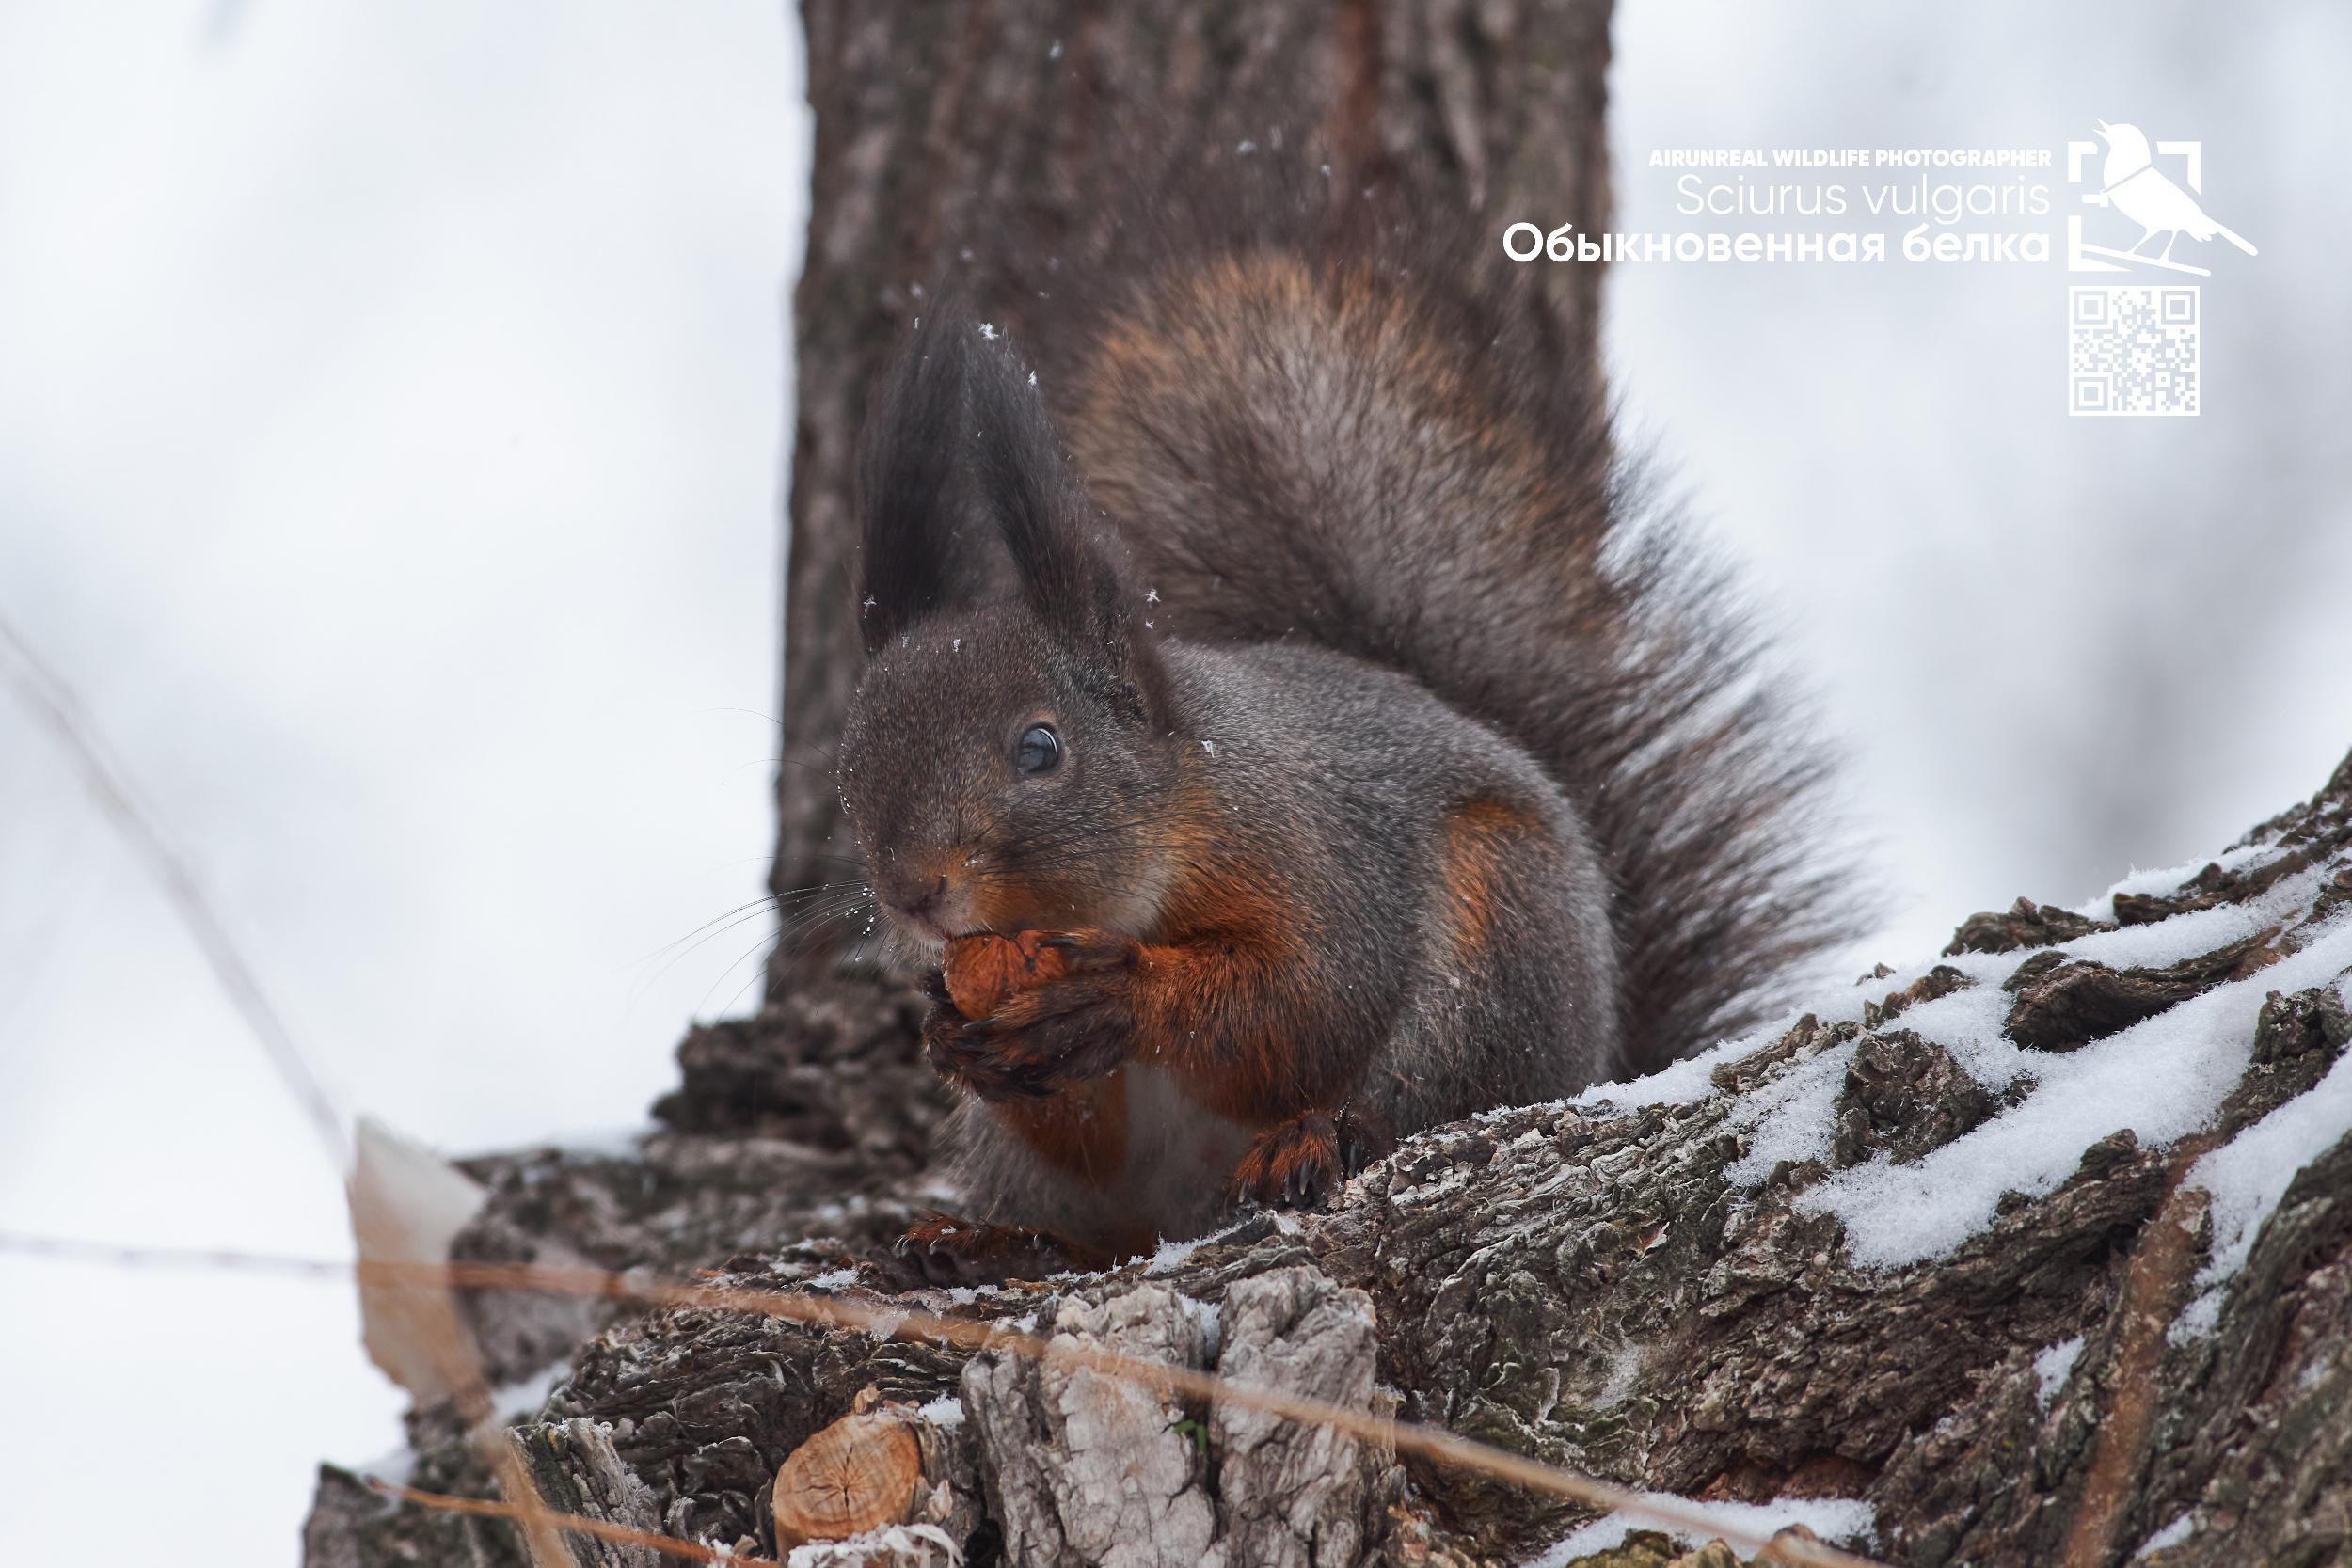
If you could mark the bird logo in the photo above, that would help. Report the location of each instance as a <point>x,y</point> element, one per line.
<point>2131,184</point>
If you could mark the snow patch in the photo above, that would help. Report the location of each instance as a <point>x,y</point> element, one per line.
<point>944,1411</point>
<point>1212,1322</point>
<point>1831,1518</point>
<point>2249,1176</point>
<point>2052,1366</point>
<point>2173,879</point>
<point>2198,1319</point>
<point>1971,1024</point>
<point>2172,1535</point>
<point>1791,1118</point>
<point>891,1544</point>
<point>2191,935</point>
<point>1625,1369</point>
<point>1676,1083</point>
<point>2162,1078</point>
<point>1170,1255</point>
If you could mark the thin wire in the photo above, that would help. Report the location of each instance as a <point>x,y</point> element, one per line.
<point>891,1322</point>
<point>579,1523</point>
<point>53,703</point>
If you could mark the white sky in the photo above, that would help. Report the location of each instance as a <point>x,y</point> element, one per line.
<point>2055,646</point>
<point>391,402</point>
<point>390,412</point>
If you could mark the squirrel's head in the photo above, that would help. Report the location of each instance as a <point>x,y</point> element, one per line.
<point>1007,759</point>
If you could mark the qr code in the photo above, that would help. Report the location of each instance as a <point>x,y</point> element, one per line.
<point>2131,349</point>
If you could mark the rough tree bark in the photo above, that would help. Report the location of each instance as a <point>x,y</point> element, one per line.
<point>953,141</point>
<point>1673,1284</point>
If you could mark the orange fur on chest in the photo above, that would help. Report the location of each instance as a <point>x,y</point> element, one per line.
<point>1081,1133</point>
<point>1215,1002</point>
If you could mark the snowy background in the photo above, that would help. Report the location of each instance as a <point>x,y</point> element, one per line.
<point>391,404</point>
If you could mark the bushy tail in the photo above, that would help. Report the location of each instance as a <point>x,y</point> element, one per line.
<point>1334,420</point>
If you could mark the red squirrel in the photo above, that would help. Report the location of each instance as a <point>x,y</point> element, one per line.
<point>1304,691</point>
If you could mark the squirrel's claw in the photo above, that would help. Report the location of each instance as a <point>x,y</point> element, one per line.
<point>941,1250</point>
<point>1092,952</point>
<point>1075,1028</point>
<point>1301,1163</point>
<point>969,1056</point>
<point>1293,1166</point>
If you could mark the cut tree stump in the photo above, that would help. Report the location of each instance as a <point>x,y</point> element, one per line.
<point>861,1473</point>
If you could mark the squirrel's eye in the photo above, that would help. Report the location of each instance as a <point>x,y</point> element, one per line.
<point>1040,750</point>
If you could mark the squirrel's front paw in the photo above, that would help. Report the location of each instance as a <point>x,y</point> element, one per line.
<point>1301,1163</point>
<point>1071,1029</point>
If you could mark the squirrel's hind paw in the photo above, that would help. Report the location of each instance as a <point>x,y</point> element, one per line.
<point>1294,1165</point>
<point>946,1251</point>
<point>1301,1162</point>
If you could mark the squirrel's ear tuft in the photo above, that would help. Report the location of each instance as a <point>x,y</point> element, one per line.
<point>909,498</point>
<point>1067,577</point>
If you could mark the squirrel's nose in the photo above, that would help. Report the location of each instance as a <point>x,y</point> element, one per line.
<point>924,899</point>
<point>920,900</point>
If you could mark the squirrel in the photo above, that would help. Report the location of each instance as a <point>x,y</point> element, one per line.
<point>1308,681</point>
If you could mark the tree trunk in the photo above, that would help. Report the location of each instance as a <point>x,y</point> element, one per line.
<point>953,141</point>
<point>2040,1254</point>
